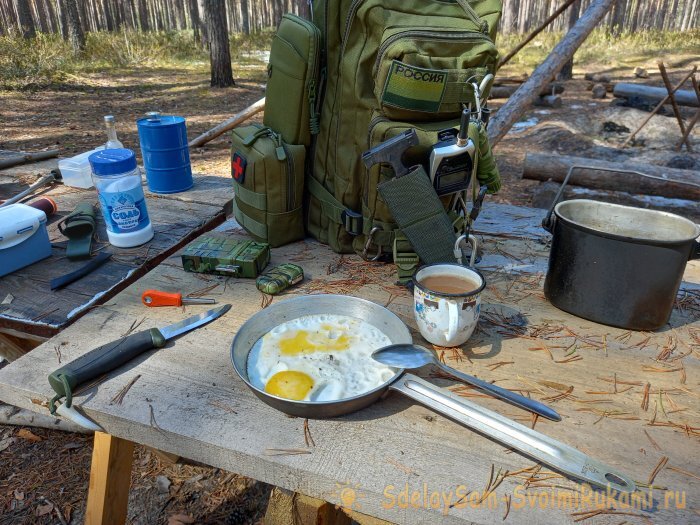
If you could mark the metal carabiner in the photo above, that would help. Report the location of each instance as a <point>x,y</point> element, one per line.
<point>464,241</point>
<point>368,245</point>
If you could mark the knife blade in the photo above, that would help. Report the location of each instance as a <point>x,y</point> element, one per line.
<point>112,355</point>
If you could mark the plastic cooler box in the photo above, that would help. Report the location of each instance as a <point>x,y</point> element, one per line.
<point>23,237</point>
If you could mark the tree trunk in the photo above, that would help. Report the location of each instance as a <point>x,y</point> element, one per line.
<point>75,30</point>
<point>511,111</point>
<point>194,17</point>
<point>203,27</point>
<point>143,15</point>
<point>62,19</point>
<point>567,72</point>
<point>109,20</point>
<point>219,52</point>
<point>24,17</point>
<point>245,17</point>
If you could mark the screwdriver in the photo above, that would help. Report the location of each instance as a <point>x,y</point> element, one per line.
<point>158,298</point>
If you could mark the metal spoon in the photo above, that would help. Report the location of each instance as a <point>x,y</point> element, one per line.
<point>414,356</point>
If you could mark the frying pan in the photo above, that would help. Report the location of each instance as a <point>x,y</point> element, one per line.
<point>558,455</point>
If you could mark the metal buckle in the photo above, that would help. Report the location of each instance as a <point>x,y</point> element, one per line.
<point>348,216</point>
<point>368,245</point>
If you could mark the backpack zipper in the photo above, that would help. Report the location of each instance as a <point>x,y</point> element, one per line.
<point>436,35</point>
<point>464,4</point>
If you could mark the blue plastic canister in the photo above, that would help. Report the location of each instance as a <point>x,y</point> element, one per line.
<point>166,155</point>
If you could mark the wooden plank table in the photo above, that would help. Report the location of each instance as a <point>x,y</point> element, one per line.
<point>629,399</point>
<point>33,312</point>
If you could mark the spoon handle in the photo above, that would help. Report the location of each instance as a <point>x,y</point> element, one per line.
<point>501,393</point>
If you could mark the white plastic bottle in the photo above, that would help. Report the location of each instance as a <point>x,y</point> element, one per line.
<point>118,183</point>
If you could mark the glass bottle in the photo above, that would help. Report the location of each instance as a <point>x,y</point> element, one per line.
<point>112,140</point>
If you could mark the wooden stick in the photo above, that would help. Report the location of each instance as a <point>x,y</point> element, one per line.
<point>694,121</point>
<point>25,158</point>
<point>521,100</point>
<point>672,98</point>
<point>228,124</point>
<point>534,33</point>
<point>657,108</point>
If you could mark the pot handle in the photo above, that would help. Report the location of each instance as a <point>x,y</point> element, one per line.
<point>695,250</point>
<point>549,451</point>
<point>549,220</point>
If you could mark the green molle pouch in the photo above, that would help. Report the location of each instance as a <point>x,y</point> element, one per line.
<point>220,255</point>
<point>291,93</point>
<point>268,183</point>
<point>280,278</point>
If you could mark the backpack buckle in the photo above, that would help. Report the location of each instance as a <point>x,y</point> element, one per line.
<point>352,222</point>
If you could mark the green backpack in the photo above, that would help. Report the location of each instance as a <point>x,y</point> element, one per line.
<point>387,66</point>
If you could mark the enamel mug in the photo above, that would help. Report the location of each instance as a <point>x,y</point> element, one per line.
<point>447,319</point>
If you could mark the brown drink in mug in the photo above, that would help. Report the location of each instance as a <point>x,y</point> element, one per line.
<point>447,300</point>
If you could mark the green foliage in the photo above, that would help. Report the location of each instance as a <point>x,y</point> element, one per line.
<point>603,48</point>
<point>25,63</point>
<point>143,49</point>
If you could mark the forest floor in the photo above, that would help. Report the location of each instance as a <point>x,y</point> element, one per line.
<point>43,472</point>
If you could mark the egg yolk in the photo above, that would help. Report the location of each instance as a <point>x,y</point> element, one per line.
<point>303,342</point>
<point>290,384</point>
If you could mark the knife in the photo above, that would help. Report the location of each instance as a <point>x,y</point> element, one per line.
<point>112,355</point>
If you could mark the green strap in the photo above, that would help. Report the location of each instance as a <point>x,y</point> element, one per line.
<point>256,228</point>
<point>79,227</point>
<point>334,210</point>
<point>251,198</point>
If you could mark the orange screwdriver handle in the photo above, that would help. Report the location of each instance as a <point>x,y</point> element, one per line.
<point>158,298</point>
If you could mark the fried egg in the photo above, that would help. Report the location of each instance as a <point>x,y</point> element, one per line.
<point>319,358</point>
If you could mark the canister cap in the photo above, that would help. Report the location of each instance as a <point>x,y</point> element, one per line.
<point>112,161</point>
<point>155,119</point>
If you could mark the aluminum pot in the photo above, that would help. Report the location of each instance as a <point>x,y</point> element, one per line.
<point>491,424</point>
<point>617,265</point>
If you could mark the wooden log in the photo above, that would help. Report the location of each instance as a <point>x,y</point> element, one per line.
<point>655,94</point>
<point>26,158</point>
<point>659,106</point>
<point>534,33</point>
<point>666,182</point>
<point>526,94</point>
<point>507,91</point>
<point>598,78</point>
<point>228,124</point>
<point>548,101</point>
<point>599,91</point>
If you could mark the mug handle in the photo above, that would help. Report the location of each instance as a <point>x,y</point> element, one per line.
<point>452,320</point>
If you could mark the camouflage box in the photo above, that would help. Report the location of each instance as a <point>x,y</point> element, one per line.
<point>220,255</point>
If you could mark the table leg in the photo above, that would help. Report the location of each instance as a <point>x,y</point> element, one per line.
<point>110,475</point>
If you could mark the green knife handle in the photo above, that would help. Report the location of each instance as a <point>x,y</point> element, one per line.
<point>104,359</point>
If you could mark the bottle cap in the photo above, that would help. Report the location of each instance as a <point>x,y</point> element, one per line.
<point>112,161</point>
<point>109,118</point>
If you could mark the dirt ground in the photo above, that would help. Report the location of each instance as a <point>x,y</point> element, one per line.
<point>42,472</point>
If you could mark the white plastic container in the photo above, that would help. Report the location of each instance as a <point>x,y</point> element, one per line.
<point>118,183</point>
<point>23,237</point>
<point>76,171</point>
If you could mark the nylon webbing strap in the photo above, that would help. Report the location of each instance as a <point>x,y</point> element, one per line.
<point>334,210</point>
<point>418,211</point>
